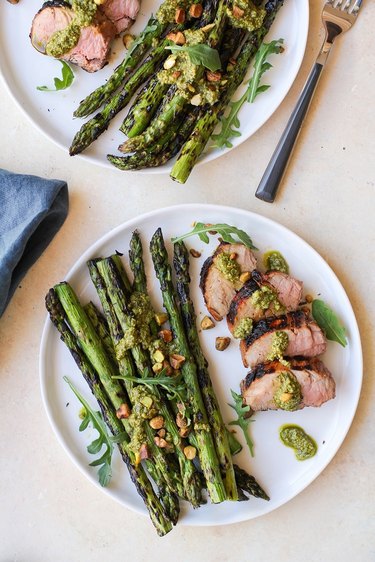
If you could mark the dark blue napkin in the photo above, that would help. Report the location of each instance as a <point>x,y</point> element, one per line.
<point>32,210</point>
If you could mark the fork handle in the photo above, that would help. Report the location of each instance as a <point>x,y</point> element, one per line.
<point>275,170</point>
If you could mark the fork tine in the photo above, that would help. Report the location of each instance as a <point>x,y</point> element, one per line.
<point>354,9</point>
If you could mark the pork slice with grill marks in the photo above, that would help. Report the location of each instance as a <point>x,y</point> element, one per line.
<point>288,291</point>
<point>305,338</point>
<point>93,47</point>
<point>316,382</point>
<point>218,291</point>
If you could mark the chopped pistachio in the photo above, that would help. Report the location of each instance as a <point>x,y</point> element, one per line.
<point>161,318</point>
<point>128,40</point>
<point>176,360</point>
<point>158,356</point>
<point>207,323</point>
<point>190,452</point>
<point>123,412</point>
<point>245,276</point>
<point>146,401</point>
<point>222,343</point>
<point>195,253</point>
<point>160,442</point>
<point>157,422</point>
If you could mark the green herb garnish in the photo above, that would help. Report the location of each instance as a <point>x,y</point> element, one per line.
<point>62,83</point>
<point>328,322</point>
<point>225,230</point>
<point>89,415</point>
<point>200,54</point>
<point>138,40</point>
<point>231,123</point>
<point>242,421</point>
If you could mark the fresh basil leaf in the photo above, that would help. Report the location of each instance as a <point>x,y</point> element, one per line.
<point>226,231</point>
<point>200,54</point>
<point>327,320</point>
<point>230,123</point>
<point>66,80</point>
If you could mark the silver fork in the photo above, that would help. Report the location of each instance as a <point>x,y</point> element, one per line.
<point>338,16</point>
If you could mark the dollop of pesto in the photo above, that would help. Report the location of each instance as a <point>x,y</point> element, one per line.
<point>144,408</point>
<point>244,14</point>
<point>188,77</point>
<point>167,11</point>
<point>275,261</point>
<point>243,329</point>
<point>265,298</point>
<point>138,331</point>
<point>288,395</point>
<point>230,269</point>
<point>279,344</point>
<point>295,437</point>
<point>64,40</point>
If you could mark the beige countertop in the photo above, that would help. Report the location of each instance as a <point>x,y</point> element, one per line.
<point>49,511</point>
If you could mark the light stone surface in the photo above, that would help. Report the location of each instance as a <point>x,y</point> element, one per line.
<point>49,511</point>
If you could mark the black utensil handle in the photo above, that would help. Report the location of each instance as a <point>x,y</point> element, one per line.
<point>275,170</point>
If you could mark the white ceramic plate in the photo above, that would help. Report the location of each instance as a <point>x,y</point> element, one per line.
<point>274,464</point>
<point>23,69</point>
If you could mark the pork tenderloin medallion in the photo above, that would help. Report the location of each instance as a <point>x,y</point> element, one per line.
<point>92,48</point>
<point>303,337</point>
<point>122,13</point>
<point>273,385</point>
<point>262,296</point>
<point>219,289</point>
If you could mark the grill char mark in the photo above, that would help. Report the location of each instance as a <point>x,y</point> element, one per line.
<point>291,320</point>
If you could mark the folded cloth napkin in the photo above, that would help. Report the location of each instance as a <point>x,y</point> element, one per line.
<point>32,210</point>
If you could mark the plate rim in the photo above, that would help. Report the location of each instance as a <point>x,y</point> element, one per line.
<point>205,207</point>
<point>304,6</point>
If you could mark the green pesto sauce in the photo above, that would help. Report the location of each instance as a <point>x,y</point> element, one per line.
<point>288,395</point>
<point>188,77</point>
<point>167,11</point>
<point>295,437</point>
<point>243,329</point>
<point>144,408</point>
<point>64,40</point>
<point>138,331</point>
<point>252,17</point>
<point>275,261</point>
<point>230,269</point>
<point>265,298</point>
<point>279,344</point>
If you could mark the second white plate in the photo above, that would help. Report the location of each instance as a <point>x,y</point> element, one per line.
<point>23,69</point>
<point>274,465</point>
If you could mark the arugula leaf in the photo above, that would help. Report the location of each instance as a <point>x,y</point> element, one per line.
<point>66,80</point>
<point>231,123</point>
<point>138,40</point>
<point>174,387</point>
<point>225,230</point>
<point>200,54</point>
<point>104,440</point>
<point>327,320</point>
<point>242,422</point>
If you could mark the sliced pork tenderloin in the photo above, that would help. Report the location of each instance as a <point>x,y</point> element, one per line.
<point>93,48</point>
<point>316,382</point>
<point>218,291</point>
<point>305,338</point>
<point>242,305</point>
<point>122,13</point>
<point>289,290</point>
